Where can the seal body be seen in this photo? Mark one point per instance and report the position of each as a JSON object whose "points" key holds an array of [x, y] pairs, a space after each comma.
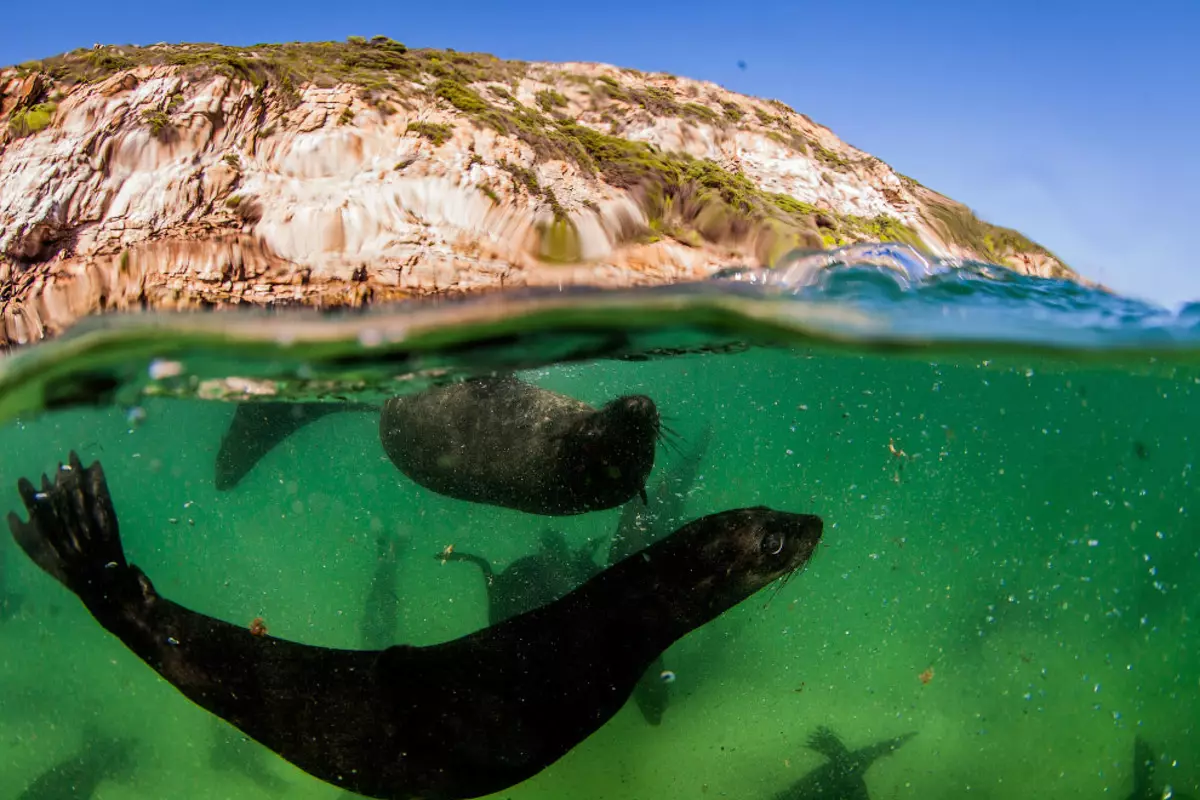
{"points": [[460, 719], [508, 443]]}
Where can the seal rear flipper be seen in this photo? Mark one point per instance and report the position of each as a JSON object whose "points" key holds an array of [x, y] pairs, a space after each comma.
{"points": [[257, 428], [72, 529]]}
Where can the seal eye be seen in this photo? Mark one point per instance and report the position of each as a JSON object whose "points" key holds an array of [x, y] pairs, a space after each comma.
{"points": [[772, 543]]}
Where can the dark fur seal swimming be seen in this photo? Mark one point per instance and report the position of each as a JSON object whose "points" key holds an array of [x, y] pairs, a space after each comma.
{"points": [[641, 525], [455, 720], [842, 777], [496, 440], [534, 580], [78, 776]]}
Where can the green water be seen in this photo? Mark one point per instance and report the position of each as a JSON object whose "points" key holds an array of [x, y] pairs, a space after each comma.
{"points": [[1021, 529]]}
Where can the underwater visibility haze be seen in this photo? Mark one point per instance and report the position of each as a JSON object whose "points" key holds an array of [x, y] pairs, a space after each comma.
{"points": [[1002, 603]]}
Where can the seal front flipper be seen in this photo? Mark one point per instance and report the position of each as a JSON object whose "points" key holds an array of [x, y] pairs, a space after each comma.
{"points": [[256, 429], [72, 529]]}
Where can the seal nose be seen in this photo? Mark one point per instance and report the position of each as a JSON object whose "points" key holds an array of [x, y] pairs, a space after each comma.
{"points": [[640, 406]]}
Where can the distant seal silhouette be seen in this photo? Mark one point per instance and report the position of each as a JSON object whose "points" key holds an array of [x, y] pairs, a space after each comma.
{"points": [[535, 580], [843, 776], [1143, 775], [460, 719], [78, 775], [495, 440]]}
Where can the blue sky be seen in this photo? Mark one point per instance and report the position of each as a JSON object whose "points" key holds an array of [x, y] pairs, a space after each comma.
{"points": [[1073, 122]]}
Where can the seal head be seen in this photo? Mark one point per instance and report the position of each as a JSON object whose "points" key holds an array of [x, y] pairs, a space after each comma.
{"points": [[607, 456]]}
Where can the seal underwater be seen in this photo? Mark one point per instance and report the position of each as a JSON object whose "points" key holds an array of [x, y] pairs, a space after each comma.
{"points": [[495, 440], [843, 776], [460, 719]]}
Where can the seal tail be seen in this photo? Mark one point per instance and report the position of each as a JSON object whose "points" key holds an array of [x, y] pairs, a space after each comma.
{"points": [[257, 428], [72, 529]]}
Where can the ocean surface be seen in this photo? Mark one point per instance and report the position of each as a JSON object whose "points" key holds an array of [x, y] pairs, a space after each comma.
{"points": [[1005, 466]]}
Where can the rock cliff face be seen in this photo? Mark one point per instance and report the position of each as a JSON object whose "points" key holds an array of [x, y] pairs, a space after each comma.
{"points": [[341, 173]]}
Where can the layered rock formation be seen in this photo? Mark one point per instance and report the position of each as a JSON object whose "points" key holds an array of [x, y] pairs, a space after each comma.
{"points": [[340, 173]]}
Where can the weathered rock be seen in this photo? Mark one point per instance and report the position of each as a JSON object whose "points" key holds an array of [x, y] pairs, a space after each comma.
{"points": [[166, 188]]}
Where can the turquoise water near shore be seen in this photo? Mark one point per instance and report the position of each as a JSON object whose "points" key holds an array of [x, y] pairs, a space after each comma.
{"points": [[1009, 565]]}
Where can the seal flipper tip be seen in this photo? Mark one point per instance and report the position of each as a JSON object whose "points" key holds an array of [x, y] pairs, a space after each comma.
{"points": [[72, 529], [827, 743]]}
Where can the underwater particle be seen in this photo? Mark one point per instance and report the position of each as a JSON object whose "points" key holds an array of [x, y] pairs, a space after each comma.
{"points": [[926, 676], [135, 415], [163, 368], [666, 676], [258, 626], [444, 556]]}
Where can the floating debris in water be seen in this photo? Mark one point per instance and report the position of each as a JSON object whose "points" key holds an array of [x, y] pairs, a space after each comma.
{"points": [[161, 368], [667, 676]]}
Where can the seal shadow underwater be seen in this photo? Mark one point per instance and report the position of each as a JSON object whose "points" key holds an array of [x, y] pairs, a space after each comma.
{"points": [[535, 580], [843, 776], [640, 526], [494, 440], [1143, 775], [460, 719], [78, 776]]}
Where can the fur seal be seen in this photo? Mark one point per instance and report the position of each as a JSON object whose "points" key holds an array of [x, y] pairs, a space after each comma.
{"points": [[460, 719], [640, 526], [535, 580], [495, 440], [842, 777]]}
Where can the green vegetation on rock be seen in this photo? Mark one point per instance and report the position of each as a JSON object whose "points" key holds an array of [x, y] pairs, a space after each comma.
{"points": [[435, 132], [959, 225], [26, 121], [687, 198]]}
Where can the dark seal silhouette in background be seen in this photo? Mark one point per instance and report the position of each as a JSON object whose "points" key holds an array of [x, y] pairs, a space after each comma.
{"points": [[460, 719]]}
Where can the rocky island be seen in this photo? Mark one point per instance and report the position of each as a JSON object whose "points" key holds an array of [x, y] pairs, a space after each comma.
{"points": [[335, 174]]}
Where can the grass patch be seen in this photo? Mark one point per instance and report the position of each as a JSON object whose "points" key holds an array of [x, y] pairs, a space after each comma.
{"points": [[156, 120], [959, 225], [435, 132], [548, 100], [378, 64], [733, 112], [26, 121]]}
